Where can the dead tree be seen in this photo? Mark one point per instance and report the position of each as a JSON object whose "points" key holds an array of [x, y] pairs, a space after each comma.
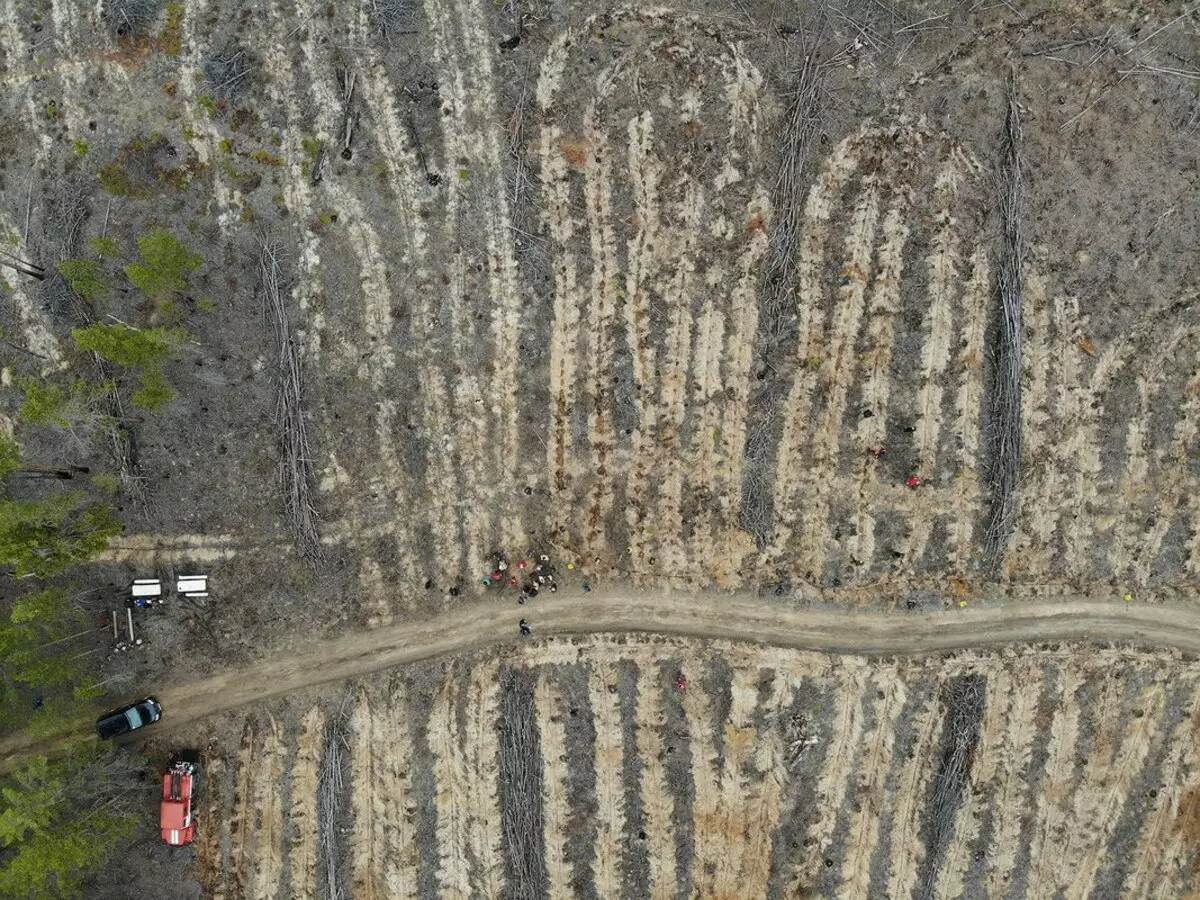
{"points": [[521, 814], [349, 115], [1004, 431], [331, 801], [797, 129], [22, 266], [295, 462]]}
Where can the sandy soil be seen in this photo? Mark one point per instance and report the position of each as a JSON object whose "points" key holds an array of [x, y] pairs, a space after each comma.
{"points": [[700, 615]]}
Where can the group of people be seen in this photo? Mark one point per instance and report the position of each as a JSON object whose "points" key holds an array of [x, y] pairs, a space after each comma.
{"points": [[531, 581], [532, 575]]}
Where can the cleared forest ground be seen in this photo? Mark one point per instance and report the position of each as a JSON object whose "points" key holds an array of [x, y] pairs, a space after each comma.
{"points": [[773, 773], [685, 297], [582, 282]]}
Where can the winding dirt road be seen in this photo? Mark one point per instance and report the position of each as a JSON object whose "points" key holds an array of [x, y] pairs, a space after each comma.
{"points": [[747, 619]]}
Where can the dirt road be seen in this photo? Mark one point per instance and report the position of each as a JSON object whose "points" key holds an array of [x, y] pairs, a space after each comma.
{"points": [[699, 615]]}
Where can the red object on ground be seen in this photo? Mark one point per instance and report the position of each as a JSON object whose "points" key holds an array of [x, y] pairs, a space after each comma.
{"points": [[681, 683], [497, 575], [178, 827], [913, 481], [512, 582], [521, 564]]}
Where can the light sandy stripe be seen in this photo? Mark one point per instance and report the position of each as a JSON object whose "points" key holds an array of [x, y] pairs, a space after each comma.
{"points": [[658, 805], [18, 52], [267, 863], [33, 321], [1012, 796], [737, 795], [679, 283], [1005, 698], [395, 799], [844, 739], [241, 819], [399, 157], [1058, 779], [1099, 808], [739, 355], [943, 277], [452, 782], [752, 222], [1041, 520], [1176, 492], [790, 462], [568, 303], [968, 410], [298, 194], [503, 276], [876, 363], [457, 50], [376, 291], [555, 805], [610, 790], [705, 411], [211, 862], [1152, 483], [907, 850], [766, 798], [13, 43], [645, 173], [871, 779], [1084, 489], [836, 374], [368, 846], [302, 812], [1151, 863], [1134, 485], [481, 747], [1181, 848], [1029, 549], [182, 548], [601, 310], [706, 799], [204, 136], [317, 62], [736, 217], [71, 104]]}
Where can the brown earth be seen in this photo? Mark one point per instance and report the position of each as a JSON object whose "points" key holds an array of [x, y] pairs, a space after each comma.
{"points": [[698, 615]]}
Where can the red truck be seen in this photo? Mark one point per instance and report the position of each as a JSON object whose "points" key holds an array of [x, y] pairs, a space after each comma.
{"points": [[178, 826]]}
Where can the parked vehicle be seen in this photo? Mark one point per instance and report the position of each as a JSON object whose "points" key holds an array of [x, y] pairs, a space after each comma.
{"points": [[128, 718], [175, 816]]}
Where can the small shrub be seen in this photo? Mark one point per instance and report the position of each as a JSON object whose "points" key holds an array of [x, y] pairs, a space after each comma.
{"points": [[104, 246], [172, 36], [155, 393], [165, 264], [106, 482], [266, 158], [209, 105], [84, 277], [127, 346], [81, 146], [114, 178], [51, 110], [43, 404]]}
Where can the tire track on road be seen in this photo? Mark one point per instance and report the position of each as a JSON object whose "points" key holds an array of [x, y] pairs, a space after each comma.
{"points": [[729, 617]]}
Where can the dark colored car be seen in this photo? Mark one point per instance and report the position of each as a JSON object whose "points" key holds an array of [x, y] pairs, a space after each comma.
{"points": [[128, 718]]}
